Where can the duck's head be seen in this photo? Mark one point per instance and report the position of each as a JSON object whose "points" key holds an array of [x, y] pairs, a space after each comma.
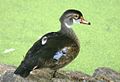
{"points": [[72, 16]]}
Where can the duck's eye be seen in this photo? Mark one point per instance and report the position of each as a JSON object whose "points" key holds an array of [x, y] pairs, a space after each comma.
{"points": [[76, 16]]}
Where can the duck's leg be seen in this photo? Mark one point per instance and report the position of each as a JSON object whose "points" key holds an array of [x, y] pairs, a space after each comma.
{"points": [[54, 74]]}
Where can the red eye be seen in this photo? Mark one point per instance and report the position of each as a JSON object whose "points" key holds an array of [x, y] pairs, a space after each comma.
{"points": [[76, 17]]}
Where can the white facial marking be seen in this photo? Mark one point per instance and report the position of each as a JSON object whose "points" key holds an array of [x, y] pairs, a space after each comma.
{"points": [[44, 40], [76, 21], [68, 26]]}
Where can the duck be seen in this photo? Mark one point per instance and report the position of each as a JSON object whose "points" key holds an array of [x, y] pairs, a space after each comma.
{"points": [[54, 50]]}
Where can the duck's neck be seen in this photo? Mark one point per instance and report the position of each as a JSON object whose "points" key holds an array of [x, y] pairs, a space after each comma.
{"points": [[69, 32]]}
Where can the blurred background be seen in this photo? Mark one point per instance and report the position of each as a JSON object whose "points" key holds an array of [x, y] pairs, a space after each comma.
{"points": [[22, 22]]}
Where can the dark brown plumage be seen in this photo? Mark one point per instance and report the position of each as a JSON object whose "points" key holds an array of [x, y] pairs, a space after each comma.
{"points": [[56, 49]]}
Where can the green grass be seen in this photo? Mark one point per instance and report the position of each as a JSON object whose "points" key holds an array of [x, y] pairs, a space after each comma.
{"points": [[23, 21]]}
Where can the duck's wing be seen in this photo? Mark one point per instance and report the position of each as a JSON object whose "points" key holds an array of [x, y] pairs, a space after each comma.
{"points": [[47, 45]]}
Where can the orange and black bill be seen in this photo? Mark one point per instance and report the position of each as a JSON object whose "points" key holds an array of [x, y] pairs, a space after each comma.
{"points": [[83, 21]]}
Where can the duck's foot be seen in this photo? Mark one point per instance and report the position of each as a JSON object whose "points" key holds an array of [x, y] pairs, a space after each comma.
{"points": [[59, 75], [54, 74]]}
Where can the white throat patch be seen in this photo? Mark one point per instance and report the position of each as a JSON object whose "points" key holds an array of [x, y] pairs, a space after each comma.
{"points": [[76, 21]]}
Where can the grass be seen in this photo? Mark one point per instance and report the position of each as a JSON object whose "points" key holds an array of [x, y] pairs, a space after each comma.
{"points": [[23, 21]]}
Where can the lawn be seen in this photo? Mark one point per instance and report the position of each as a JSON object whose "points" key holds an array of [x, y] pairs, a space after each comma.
{"points": [[23, 21]]}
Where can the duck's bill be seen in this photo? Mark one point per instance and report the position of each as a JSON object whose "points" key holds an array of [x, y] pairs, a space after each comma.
{"points": [[83, 21]]}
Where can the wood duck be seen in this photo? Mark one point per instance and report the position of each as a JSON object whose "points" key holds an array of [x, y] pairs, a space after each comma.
{"points": [[56, 49]]}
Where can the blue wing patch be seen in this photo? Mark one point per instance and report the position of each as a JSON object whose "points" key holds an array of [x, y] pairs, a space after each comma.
{"points": [[60, 53]]}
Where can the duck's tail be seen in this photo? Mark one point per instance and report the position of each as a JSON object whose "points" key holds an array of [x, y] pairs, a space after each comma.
{"points": [[22, 70]]}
